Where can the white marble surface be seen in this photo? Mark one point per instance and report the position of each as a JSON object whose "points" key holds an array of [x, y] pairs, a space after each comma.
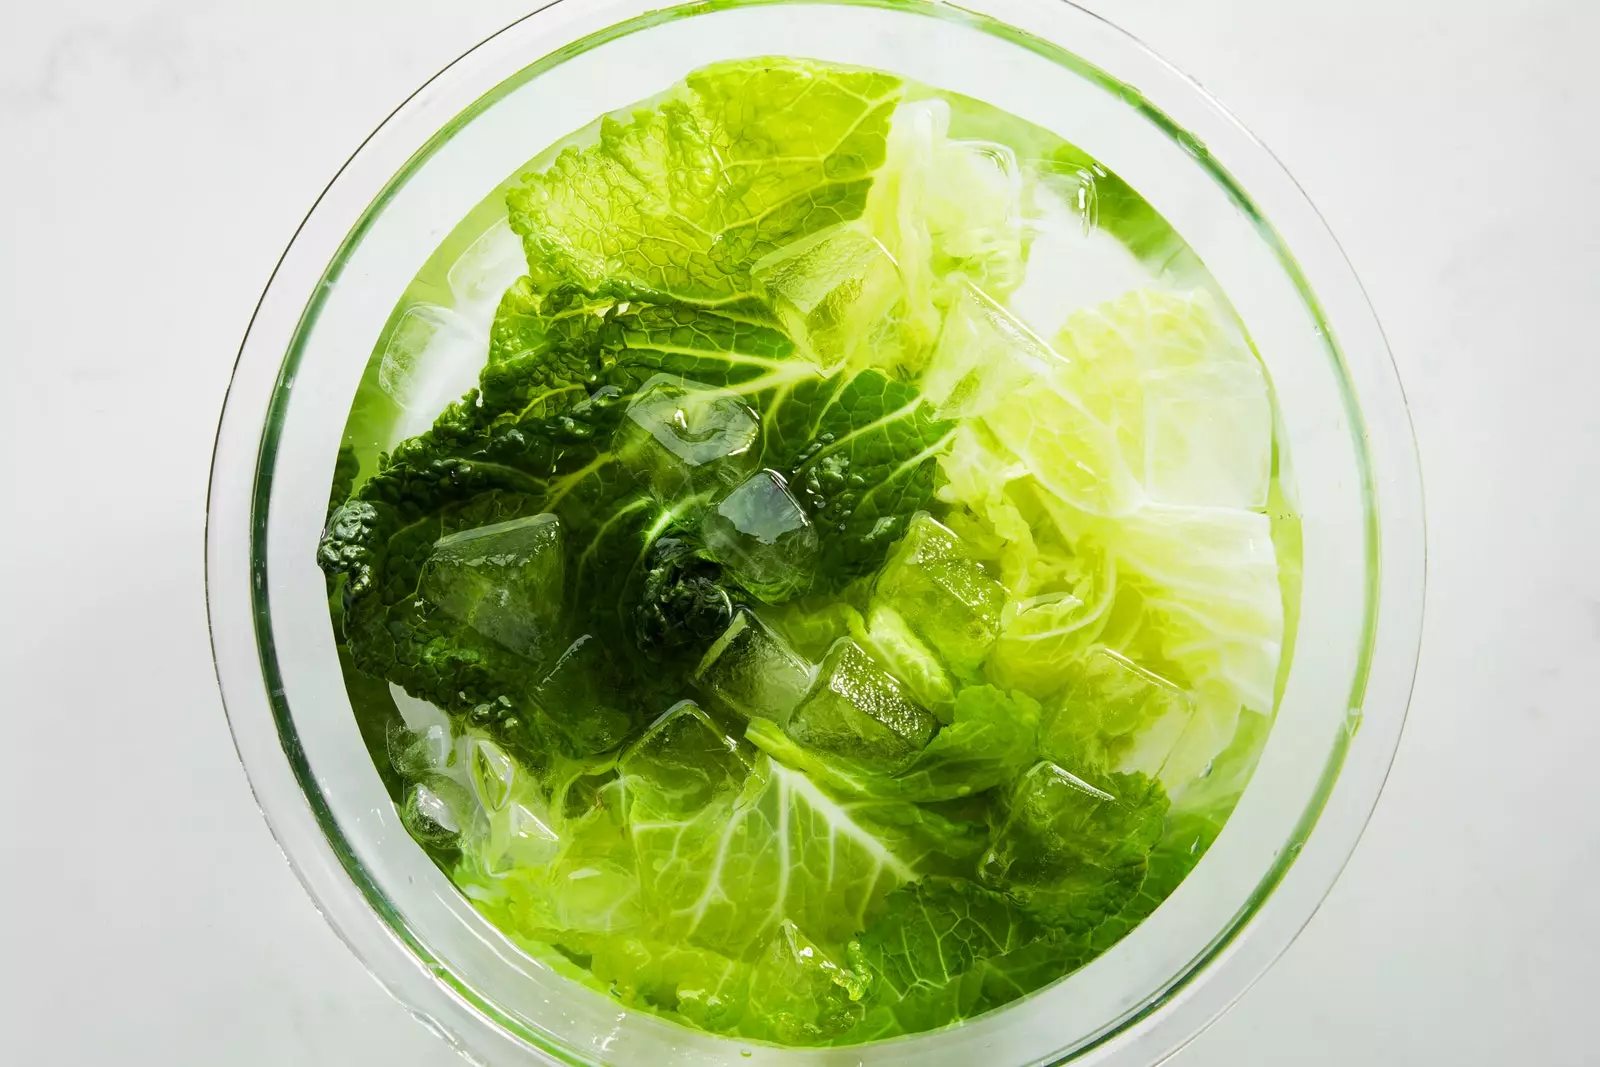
{"points": [[157, 156]]}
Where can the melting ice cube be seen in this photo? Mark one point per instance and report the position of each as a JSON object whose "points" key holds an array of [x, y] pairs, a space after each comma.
{"points": [[434, 813], [1070, 847], [1114, 714], [892, 642], [504, 580], [832, 289], [685, 438], [944, 594], [580, 699], [804, 993], [753, 671], [433, 355], [857, 709], [762, 535], [682, 763], [984, 356], [1072, 262], [417, 754], [493, 775], [509, 823], [488, 266], [418, 714]]}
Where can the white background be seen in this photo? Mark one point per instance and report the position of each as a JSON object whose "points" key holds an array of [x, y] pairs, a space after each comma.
{"points": [[156, 157]]}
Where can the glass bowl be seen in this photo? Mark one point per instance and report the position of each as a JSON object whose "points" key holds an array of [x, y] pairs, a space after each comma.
{"points": [[1342, 417]]}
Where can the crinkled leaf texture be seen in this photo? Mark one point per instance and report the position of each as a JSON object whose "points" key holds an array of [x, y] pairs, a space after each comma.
{"points": [[679, 201], [639, 250], [1049, 479], [727, 874], [947, 949], [797, 237]]}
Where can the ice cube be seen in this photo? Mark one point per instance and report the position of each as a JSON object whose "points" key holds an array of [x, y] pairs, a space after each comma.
{"points": [[418, 714], [945, 595], [856, 708], [488, 266], [685, 438], [436, 812], [522, 834], [504, 580], [975, 214], [580, 699], [511, 824], [416, 754], [1114, 714], [682, 763], [984, 356], [432, 356], [1059, 416], [832, 289], [494, 774], [762, 535], [1070, 847], [1208, 436], [890, 639], [1072, 262], [753, 672]]}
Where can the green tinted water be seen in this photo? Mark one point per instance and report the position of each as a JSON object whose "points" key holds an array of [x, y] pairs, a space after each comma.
{"points": [[924, 683]]}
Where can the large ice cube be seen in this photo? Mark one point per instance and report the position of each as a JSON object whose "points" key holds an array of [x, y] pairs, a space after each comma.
{"points": [[1208, 436], [1072, 262], [976, 216], [580, 699], [1116, 715], [832, 289], [1070, 847], [762, 535], [682, 763], [504, 580], [857, 709], [1059, 416], [945, 595], [684, 438], [753, 671]]}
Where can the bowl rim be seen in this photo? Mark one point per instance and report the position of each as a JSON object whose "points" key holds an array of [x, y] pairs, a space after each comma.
{"points": [[1396, 550]]}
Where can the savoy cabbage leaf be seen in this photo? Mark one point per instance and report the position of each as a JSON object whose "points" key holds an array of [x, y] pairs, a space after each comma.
{"points": [[785, 236], [1074, 849], [869, 468], [946, 949], [678, 202]]}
